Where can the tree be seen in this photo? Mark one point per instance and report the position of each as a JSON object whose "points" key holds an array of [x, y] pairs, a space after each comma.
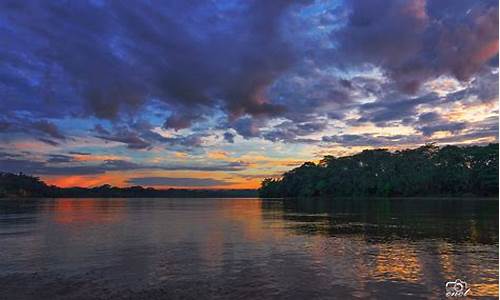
{"points": [[427, 170]]}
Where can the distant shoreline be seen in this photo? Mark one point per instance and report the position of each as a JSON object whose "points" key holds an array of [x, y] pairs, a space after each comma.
{"points": [[99, 197], [26, 186], [474, 198]]}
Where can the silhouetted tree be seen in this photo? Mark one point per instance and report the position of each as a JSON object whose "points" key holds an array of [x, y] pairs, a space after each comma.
{"points": [[20, 185], [427, 170]]}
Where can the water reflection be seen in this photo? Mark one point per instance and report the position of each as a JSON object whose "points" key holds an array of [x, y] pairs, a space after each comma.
{"points": [[419, 241], [246, 248], [469, 220], [86, 211]]}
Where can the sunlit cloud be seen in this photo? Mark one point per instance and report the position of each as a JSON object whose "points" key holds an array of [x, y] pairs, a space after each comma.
{"points": [[249, 90]]}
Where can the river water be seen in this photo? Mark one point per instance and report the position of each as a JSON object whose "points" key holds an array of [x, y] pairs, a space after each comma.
{"points": [[246, 248]]}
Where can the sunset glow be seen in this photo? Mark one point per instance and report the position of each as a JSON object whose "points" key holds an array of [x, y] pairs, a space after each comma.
{"points": [[223, 94]]}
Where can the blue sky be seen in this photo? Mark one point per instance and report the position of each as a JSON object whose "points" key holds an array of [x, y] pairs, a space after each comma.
{"points": [[225, 93]]}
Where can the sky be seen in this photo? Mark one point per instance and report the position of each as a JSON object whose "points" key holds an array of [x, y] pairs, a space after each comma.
{"points": [[220, 94]]}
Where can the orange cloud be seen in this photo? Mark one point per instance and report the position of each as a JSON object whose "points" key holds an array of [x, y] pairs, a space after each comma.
{"points": [[218, 155], [85, 180], [94, 157]]}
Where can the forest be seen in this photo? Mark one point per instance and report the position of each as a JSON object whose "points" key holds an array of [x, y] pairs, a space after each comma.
{"points": [[429, 170], [24, 186]]}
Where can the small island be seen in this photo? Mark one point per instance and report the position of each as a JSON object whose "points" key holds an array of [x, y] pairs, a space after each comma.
{"points": [[425, 171]]}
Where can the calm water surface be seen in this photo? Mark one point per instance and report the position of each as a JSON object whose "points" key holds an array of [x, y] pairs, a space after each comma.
{"points": [[246, 248]]}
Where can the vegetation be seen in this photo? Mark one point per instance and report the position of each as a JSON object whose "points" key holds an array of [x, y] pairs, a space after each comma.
{"points": [[426, 171], [20, 185]]}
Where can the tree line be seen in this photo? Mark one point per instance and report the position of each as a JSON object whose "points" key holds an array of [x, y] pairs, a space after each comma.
{"points": [[21, 185], [425, 171]]}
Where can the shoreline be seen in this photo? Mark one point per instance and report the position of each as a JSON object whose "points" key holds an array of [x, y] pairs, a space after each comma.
{"points": [[489, 198]]}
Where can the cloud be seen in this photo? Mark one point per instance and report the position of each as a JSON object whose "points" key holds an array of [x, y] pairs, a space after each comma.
{"points": [[311, 91], [123, 135], [141, 136], [59, 158], [9, 155], [247, 127], [48, 128], [370, 140], [229, 137], [413, 41], [175, 75], [452, 127], [180, 121], [80, 153], [290, 132], [429, 117], [174, 181], [431, 122], [43, 130], [393, 108], [484, 88], [101, 130], [108, 58], [59, 165], [48, 142], [4, 126]]}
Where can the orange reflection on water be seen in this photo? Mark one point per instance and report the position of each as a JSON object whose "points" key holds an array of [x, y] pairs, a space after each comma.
{"points": [[249, 215], [446, 260], [87, 211], [485, 277], [246, 213], [484, 289], [399, 262]]}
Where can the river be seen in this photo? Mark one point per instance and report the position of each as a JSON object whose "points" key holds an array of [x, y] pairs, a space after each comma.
{"points": [[246, 248]]}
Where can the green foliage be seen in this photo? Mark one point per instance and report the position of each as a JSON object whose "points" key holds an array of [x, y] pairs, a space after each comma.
{"points": [[424, 171]]}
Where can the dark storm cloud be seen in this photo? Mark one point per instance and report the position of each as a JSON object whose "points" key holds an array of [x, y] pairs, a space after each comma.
{"points": [[413, 41], [245, 60], [113, 56], [174, 181]]}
